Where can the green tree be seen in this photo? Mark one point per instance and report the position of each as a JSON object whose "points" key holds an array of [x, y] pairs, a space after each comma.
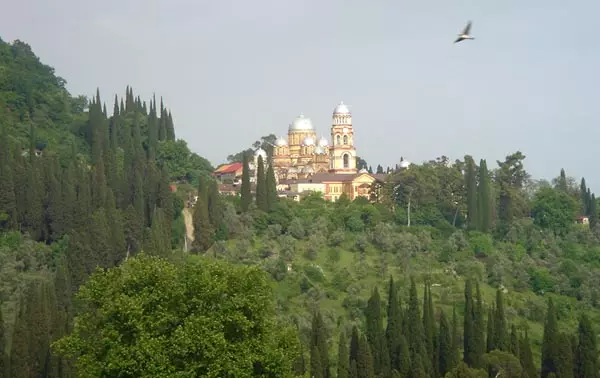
{"points": [[554, 210], [272, 196], [501, 340], [484, 198], [586, 357], [182, 325], [550, 344], [261, 185], [245, 192], [343, 365], [471, 186]]}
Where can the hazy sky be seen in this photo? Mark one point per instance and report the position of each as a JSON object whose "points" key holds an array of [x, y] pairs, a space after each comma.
{"points": [[232, 71]]}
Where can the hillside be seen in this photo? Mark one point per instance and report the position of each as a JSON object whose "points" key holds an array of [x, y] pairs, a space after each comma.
{"points": [[79, 189], [489, 266]]}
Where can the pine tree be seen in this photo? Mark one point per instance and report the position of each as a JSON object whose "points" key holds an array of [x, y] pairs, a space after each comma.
{"points": [[246, 194], [586, 356], [261, 183], [562, 182], [550, 342], [484, 201], [471, 185], [272, 196], [445, 345], [343, 366]]}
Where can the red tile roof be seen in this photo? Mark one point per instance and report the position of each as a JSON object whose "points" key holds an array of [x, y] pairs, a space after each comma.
{"points": [[228, 168]]}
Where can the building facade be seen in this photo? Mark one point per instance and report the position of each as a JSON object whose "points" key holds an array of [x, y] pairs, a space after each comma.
{"points": [[302, 154]]}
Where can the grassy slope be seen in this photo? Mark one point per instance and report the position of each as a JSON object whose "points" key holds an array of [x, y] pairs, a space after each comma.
{"points": [[524, 309]]}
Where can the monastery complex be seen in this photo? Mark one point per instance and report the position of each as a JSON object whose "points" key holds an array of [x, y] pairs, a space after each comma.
{"points": [[304, 163]]}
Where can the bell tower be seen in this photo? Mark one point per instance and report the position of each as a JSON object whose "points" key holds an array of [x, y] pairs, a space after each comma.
{"points": [[342, 154]]}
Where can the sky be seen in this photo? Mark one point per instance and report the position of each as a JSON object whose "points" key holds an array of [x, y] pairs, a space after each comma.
{"points": [[232, 71]]}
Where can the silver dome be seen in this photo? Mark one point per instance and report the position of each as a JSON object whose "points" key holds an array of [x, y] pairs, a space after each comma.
{"points": [[260, 152], [319, 150], [341, 109], [323, 142], [301, 123], [308, 141], [281, 141]]}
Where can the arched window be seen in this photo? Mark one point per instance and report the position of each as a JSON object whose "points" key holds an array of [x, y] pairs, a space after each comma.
{"points": [[345, 139], [346, 161], [338, 139]]}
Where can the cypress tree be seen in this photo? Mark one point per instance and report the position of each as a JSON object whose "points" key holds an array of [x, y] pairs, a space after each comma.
{"points": [[583, 197], [484, 201], [394, 325], [593, 211], [479, 329], [564, 360], [21, 363], [416, 343], [501, 340], [403, 357], [469, 345], [374, 328], [445, 345], [3, 358], [246, 194], [261, 182], [364, 360], [8, 202], [586, 355], [343, 366], [272, 196], [203, 231], [319, 340], [562, 182], [514, 341], [353, 369], [491, 345], [550, 342], [471, 186], [429, 329], [526, 357], [455, 340], [316, 369], [354, 344]]}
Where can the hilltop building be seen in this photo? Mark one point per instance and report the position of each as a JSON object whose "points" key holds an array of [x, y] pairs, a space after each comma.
{"points": [[304, 163]]}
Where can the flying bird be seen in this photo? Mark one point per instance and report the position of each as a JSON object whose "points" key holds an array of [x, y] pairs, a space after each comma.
{"points": [[465, 33]]}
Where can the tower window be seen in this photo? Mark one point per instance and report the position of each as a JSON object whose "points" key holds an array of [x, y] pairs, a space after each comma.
{"points": [[338, 140], [345, 139], [346, 161]]}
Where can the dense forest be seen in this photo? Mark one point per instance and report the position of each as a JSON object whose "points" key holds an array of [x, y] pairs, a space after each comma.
{"points": [[453, 269]]}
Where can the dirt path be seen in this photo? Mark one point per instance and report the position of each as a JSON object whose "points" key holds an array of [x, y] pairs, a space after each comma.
{"points": [[189, 225]]}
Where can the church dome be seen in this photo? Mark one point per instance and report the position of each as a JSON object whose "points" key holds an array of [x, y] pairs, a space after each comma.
{"points": [[319, 150], [260, 152], [281, 142], [301, 123], [308, 141], [404, 164], [341, 108], [323, 142]]}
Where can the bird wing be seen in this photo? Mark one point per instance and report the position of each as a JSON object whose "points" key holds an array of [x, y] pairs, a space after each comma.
{"points": [[467, 29], [458, 39]]}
